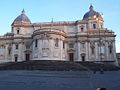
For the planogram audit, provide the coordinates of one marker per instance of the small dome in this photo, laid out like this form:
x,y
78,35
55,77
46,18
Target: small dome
x,y
91,13
22,18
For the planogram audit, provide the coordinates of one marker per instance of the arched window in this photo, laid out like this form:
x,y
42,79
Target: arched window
x,y
110,49
9,51
81,29
92,46
92,50
16,46
56,42
18,31
36,43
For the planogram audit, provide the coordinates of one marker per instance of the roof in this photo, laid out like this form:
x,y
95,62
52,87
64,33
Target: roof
x,y
91,13
22,18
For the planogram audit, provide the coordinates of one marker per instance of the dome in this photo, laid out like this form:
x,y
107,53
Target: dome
x,y
22,18
91,13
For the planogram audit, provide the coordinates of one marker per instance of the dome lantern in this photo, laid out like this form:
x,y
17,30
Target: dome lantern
x,y
91,7
23,11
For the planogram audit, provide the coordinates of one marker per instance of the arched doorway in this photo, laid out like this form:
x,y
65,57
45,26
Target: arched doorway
x,y
83,57
71,54
27,55
16,58
71,57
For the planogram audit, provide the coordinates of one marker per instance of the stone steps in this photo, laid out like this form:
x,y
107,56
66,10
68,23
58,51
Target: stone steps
x,y
56,66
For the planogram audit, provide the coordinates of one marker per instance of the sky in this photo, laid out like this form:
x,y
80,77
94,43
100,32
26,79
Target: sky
x,y
60,10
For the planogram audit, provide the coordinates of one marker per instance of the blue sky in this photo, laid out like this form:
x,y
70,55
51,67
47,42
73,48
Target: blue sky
x,y
60,10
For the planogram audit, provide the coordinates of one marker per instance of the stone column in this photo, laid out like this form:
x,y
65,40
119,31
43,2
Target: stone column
x,y
107,51
39,48
51,48
97,51
13,52
76,56
114,53
22,48
89,52
6,52
78,51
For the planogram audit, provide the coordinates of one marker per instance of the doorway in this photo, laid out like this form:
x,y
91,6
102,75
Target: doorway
x,y
16,58
71,57
83,58
27,57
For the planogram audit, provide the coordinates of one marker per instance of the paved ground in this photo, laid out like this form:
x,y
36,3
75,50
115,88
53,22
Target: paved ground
x,y
58,80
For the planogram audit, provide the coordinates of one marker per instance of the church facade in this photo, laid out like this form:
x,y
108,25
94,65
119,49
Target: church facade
x,y
81,40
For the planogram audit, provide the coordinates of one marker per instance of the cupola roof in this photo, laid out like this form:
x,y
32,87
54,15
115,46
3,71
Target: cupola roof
x,y
91,13
22,18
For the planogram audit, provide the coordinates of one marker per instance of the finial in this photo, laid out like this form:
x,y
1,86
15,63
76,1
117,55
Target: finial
x,y
91,7
23,11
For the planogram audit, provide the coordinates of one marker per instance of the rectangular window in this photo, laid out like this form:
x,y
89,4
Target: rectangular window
x,y
92,50
9,51
56,42
94,26
83,45
71,45
110,49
